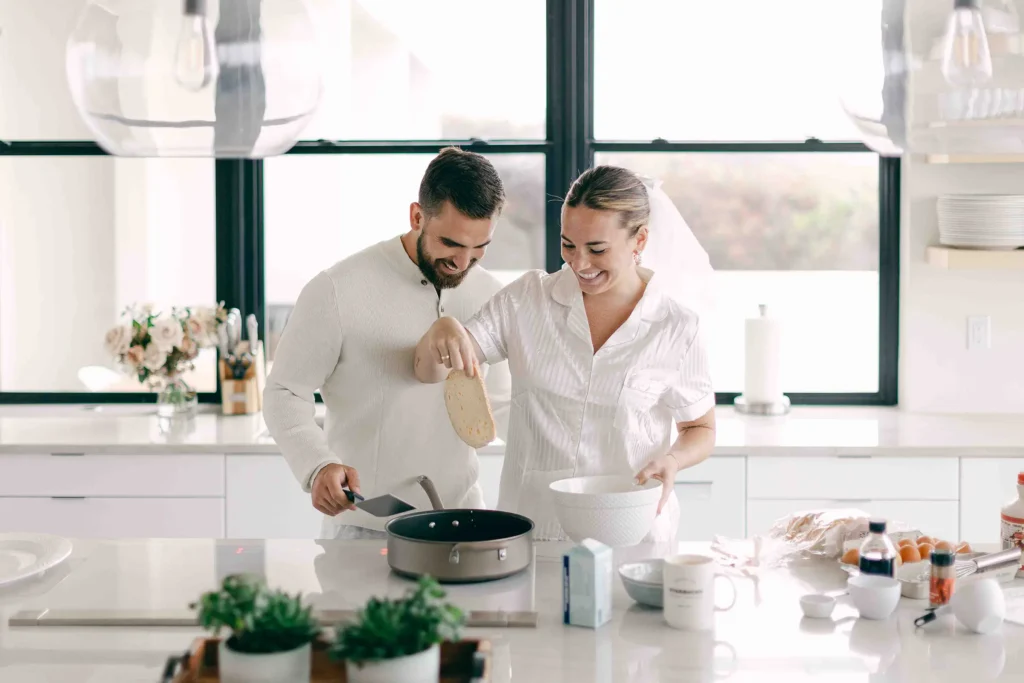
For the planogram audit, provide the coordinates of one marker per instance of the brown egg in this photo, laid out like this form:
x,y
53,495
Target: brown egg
x,y
925,550
904,543
851,556
909,554
926,539
964,547
944,545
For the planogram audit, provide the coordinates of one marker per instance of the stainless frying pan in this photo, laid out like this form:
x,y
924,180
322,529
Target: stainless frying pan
x,y
459,546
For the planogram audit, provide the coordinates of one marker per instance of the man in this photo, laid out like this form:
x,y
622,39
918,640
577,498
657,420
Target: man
x,y
353,335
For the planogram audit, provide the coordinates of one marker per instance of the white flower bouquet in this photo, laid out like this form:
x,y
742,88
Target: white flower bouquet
x,y
159,348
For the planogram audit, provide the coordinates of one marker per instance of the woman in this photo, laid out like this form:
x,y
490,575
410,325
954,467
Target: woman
x,y
609,370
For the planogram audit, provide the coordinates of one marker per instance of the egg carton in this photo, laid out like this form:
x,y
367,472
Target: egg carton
x,y
895,537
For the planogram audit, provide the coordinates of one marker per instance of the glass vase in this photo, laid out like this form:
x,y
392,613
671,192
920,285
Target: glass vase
x,y
176,399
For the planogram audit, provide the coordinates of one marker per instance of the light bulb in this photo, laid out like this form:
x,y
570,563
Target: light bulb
x,y
966,59
195,64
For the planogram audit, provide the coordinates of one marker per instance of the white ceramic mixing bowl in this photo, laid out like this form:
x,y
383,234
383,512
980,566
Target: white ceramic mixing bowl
x,y
612,509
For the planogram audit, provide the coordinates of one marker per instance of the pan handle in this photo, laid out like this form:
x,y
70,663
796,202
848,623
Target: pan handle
x,y
479,547
428,486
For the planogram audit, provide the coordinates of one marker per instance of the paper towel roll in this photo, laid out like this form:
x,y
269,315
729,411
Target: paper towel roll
x,y
763,376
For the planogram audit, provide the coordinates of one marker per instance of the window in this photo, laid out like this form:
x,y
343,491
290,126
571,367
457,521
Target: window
x,y
745,70
742,123
81,238
798,232
321,209
733,106
438,70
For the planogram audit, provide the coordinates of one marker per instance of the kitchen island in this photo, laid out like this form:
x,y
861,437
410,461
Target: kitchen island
x,y
764,638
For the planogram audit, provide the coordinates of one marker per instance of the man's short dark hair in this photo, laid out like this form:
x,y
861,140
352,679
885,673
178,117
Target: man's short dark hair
x,y
466,179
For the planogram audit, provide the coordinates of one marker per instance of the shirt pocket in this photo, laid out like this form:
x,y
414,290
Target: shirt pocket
x,y
642,391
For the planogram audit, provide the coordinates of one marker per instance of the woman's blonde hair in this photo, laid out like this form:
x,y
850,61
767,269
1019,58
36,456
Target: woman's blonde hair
x,y
612,188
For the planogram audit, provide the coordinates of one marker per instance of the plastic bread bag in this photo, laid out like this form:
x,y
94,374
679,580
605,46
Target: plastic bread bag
x,y
801,535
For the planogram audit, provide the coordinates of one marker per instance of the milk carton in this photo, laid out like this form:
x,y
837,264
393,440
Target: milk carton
x,y
587,584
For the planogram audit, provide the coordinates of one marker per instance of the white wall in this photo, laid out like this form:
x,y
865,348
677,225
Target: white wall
x,y
937,372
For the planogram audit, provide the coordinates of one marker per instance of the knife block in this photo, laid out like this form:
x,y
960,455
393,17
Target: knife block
x,y
243,396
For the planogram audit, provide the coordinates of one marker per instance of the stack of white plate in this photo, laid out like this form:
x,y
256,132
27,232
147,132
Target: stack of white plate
x,y
981,221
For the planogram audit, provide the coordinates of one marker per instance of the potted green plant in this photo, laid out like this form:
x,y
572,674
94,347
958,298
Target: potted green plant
x,y
271,631
398,641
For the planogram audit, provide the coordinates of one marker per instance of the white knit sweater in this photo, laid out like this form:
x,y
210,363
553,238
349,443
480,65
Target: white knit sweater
x,y
352,335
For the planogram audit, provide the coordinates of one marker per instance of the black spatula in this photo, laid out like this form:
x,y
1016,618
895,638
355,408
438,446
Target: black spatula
x,y
380,506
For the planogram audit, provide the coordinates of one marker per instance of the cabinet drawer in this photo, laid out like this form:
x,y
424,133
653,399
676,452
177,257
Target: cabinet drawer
x,y
112,475
934,518
115,517
265,501
712,499
872,478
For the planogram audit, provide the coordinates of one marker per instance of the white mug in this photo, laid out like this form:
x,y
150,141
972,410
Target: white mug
x,y
689,592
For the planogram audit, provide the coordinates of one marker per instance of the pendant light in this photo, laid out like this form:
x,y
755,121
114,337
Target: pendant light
x,y
195,78
966,59
940,78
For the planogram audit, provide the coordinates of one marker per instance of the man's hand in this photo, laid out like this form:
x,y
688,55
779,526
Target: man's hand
x,y
327,494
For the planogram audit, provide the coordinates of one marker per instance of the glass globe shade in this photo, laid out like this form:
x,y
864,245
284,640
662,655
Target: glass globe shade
x,y
137,75
899,93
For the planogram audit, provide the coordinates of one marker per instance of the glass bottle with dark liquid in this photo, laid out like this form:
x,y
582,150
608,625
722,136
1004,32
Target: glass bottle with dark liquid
x,y
877,553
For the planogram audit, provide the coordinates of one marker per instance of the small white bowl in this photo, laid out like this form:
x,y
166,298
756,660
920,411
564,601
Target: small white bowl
x,y
612,509
644,581
817,606
875,597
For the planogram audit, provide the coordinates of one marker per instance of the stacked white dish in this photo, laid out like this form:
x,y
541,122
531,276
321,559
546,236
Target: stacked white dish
x,y
981,221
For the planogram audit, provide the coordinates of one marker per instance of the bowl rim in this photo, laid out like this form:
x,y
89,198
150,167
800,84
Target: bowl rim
x,y
642,563
649,485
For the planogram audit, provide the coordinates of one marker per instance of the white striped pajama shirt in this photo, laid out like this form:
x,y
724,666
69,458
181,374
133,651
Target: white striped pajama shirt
x,y
577,413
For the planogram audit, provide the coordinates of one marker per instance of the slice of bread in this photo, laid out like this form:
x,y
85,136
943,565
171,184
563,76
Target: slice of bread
x,y
469,409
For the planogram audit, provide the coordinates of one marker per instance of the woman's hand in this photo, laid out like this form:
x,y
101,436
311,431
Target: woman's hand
x,y
450,345
663,469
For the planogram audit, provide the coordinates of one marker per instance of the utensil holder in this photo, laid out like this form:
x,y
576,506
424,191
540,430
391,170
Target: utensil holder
x,y
243,396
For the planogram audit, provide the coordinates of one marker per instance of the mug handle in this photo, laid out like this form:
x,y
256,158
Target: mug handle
x,y
732,659
732,585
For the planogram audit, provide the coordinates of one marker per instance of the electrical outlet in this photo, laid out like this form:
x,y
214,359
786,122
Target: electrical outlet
x,y
979,332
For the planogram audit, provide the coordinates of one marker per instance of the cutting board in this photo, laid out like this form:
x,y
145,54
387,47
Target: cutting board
x,y
467,661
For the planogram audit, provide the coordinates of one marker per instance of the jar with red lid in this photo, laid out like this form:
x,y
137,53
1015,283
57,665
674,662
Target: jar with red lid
x,y
1012,522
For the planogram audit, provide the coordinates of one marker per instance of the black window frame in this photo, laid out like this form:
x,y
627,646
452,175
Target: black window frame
x,y
569,148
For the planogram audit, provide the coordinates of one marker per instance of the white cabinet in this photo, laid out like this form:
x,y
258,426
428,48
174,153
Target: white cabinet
x,y
141,476
265,501
113,496
94,517
712,499
490,478
987,484
853,478
933,517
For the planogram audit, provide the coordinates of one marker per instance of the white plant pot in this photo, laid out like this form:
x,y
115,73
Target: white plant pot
x,y
422,667
292,666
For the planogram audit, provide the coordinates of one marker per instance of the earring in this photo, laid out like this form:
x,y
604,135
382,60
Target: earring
x,y
636,257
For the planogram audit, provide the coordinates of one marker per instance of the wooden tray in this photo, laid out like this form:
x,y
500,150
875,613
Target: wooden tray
x,y
467,661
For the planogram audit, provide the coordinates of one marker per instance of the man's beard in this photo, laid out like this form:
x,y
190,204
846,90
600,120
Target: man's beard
x,y
431,268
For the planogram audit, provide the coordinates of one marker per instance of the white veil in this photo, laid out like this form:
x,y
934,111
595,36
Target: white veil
x,y
681,265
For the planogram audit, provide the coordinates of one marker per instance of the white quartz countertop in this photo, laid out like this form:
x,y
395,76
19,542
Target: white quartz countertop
x,y
763,639
806,431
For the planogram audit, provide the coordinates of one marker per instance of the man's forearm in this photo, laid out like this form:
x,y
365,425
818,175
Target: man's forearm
x,y
291,422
